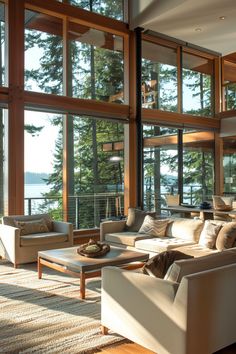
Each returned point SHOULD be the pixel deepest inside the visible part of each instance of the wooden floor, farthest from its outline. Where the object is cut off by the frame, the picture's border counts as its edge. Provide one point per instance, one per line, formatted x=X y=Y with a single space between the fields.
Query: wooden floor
x=132 y=348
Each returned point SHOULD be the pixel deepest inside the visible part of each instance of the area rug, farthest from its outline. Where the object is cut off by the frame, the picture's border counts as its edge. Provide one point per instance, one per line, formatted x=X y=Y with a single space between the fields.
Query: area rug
x=47 y=316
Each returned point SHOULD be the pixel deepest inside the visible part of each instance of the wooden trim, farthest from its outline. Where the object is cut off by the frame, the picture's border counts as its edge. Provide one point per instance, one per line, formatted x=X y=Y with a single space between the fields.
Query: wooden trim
x=159 y=41
x=15 y=31
x=130 y=138
x=179 y=80
x=219 y=170
x=227 y=114
x=126 y=69
x=199 y=53
x=156 y=116
x=188 y=138
x=217 y=87
x=86 y=18
x=63 y=104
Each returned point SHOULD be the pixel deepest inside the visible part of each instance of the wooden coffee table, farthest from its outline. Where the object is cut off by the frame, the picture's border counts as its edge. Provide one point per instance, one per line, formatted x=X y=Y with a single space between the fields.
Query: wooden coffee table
x=67 y=260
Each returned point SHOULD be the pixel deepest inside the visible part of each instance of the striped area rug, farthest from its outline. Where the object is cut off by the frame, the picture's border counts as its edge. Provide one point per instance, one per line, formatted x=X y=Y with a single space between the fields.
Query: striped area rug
x=47 y=316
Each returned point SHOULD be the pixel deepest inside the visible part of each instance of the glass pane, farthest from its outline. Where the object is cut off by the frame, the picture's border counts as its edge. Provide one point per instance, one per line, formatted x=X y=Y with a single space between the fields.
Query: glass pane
x=160 y=166
x=197 y=85
x=43 y=53
x=230 y=96
x=198 y=166
x=43 y=163
x=108 y=8
x=159 y=77
x=229 y=75
x=2 y=46
x=229 y=164
x=96 y=63
x=3 y=162
x=96 y=170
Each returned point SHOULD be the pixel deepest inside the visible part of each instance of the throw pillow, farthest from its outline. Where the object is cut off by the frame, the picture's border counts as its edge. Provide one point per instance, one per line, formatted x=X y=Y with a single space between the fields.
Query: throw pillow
x=158 y=265
x=135 y=219
x=226 y=237
x=154 y=227
x=32 y=227
x=209 y=234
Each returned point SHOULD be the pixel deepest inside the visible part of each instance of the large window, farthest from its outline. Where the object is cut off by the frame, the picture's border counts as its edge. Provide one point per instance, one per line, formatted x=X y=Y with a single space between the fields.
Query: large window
x=197 y=85
x=96 y=64
x=229 y=164
x=43 y=163
x=2 y=45
x=159 y=77
x=160 y=165
x=3 y=161
x=43 y=53
x=96 y=179
x=198 y=166
x=229 y=84
x=177 y=162
x=108 y=8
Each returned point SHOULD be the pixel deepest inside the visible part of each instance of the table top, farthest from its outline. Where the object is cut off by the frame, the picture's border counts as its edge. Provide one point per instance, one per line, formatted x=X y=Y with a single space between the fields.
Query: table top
x=185 y=209
x=72 y=260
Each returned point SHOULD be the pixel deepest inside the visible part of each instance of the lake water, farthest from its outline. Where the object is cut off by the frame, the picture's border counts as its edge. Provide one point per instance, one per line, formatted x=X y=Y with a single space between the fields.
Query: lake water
x=35 y=190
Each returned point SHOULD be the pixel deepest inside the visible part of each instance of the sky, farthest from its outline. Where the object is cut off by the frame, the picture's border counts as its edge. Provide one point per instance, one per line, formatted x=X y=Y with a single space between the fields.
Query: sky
x=39 y=149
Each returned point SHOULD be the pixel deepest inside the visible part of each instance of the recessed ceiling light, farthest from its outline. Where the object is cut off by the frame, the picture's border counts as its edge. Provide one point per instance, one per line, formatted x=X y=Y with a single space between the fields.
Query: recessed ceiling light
x=198 y=29
x=222 y=18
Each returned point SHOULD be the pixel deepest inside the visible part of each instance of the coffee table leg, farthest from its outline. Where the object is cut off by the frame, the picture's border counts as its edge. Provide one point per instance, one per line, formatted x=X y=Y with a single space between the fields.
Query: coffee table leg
x=39 y=268
x=82 y=285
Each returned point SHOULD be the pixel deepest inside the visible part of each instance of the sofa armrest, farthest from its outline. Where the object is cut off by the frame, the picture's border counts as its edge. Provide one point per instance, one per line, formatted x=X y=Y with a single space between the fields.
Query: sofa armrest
x=10 y=241
x=64 y=227
x=110 y=227
x=140 y=308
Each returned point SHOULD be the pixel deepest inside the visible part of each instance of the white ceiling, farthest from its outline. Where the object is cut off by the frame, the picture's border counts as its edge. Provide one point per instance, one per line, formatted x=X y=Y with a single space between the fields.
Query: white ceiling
x=180 y=19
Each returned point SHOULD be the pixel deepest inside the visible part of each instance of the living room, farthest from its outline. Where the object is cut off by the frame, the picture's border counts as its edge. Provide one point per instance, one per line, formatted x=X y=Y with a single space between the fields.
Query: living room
x=112 y=105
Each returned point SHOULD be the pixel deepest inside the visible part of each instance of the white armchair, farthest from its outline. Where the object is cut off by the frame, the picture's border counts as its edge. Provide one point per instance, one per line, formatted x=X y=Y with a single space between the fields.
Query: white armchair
x=22 y=236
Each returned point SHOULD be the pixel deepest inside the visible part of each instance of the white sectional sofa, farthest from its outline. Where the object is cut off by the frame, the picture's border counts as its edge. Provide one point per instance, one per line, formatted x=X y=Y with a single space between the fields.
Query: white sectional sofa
x=190 y=309
x=181 y=233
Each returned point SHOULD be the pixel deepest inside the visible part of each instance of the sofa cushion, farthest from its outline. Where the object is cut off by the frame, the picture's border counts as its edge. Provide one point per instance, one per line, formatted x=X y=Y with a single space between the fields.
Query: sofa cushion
x=189 y=266
x=161 y=244
x=227 y=236
x=209 y=234
x=42 y=239
x=154 y=227
x=32 y=227
x=158 y=265
x=187 y=229
x=10 y=220
x=197 y=250
x=125 y=238
x=135 y=219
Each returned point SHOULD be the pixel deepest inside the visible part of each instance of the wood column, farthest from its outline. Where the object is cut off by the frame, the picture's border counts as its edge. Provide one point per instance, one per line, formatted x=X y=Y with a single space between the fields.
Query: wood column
x=130 y=141
x=15 y=128
x=219 y=171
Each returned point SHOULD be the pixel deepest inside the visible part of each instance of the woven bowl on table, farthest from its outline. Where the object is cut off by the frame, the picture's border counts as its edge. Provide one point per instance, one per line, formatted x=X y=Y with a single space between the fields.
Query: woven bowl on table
x=93 y=249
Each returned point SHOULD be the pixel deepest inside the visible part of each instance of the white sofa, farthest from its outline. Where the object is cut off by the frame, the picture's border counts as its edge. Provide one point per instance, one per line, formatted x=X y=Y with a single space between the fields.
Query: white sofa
x=182 y=234
x=21 y=237
x=191 y=311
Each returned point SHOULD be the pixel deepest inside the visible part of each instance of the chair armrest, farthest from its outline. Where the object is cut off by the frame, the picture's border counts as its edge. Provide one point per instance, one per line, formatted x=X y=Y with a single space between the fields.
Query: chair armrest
x=64 y=227
x=110 y=227
x=10 y=241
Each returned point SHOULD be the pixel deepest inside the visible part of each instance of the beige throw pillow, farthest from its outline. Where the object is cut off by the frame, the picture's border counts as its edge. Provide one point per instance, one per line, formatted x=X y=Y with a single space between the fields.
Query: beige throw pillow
x=154 y=227
x=226 y=237
x=32 y=227
x=135 y=219
x=209 y=234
